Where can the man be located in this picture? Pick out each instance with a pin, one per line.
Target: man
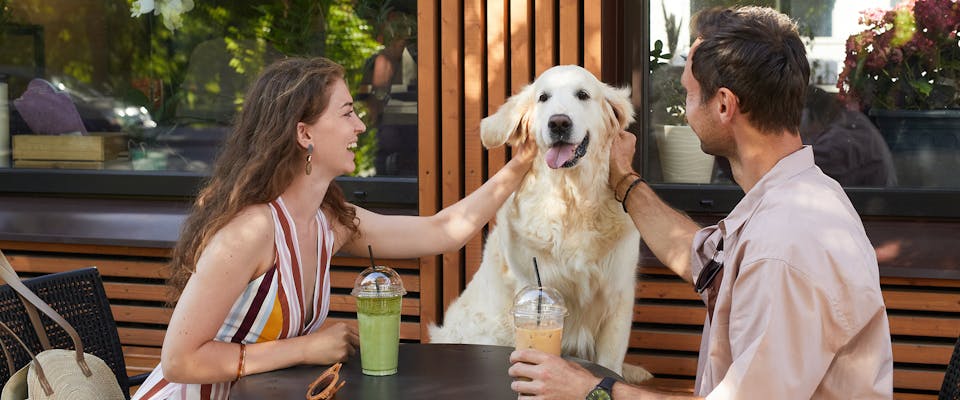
(794, 308)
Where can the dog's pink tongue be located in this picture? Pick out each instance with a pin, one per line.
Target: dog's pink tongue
(560, 154)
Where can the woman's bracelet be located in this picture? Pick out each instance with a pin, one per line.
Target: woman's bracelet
(243, 357)
(617, 186)
(623, 202)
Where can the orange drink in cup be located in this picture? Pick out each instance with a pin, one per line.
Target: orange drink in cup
(538, 314)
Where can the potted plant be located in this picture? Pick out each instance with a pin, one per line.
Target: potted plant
(681, 159)
(903, 71)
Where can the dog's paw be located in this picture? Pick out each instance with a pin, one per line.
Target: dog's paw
(634, 374)
(440, 335)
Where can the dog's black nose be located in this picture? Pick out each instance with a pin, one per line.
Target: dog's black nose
(559, 125)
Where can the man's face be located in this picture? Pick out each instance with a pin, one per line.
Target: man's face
(702, 115)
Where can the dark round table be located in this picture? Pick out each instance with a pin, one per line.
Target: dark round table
(425, 371)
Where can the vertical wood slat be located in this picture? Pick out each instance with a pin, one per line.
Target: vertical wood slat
(451, 138)
(473, 88)
(428, 153)
(544, 13)
(496, 90)
(496, 72)
(521, 66)
(592, 38)
(570, 32)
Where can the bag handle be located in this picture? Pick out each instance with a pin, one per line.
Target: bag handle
(35, 321)
(10, 276)
(47, 389)
(8, 356)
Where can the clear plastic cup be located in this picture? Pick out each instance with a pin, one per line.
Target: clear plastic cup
(379, 292)
(538, 314)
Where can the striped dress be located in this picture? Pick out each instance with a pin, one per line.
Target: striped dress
(270, 308)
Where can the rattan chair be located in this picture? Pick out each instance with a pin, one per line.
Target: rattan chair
(79, 297)
(950, 389)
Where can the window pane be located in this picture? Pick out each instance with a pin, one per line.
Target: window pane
(158, 92)
(868, 113)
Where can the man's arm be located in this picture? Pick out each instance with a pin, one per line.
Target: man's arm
(668, 232)
(553, 378)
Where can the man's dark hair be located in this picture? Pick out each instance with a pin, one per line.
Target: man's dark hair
(756, 52)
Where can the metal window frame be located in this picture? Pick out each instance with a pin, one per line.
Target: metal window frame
(392, 192)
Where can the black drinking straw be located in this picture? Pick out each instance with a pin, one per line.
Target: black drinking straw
(536, 270)
(372, 265)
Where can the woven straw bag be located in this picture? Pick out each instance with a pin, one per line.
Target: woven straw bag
(55, 373)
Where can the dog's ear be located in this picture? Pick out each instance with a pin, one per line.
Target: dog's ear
(509, 123)
(619, 108)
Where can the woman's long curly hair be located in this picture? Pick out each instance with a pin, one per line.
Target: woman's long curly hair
(261, 157)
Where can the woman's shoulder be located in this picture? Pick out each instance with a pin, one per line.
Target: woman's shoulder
(252, 223)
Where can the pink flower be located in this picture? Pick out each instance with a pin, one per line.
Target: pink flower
(872, 16)
(900, 50)
(938, 16)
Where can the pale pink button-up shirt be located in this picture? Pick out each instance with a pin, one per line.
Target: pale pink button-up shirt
(799, 312)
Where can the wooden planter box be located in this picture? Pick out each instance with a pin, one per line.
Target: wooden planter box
(67, 151)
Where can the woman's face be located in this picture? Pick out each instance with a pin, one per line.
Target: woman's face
(334, 135)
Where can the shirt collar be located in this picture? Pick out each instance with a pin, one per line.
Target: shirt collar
(784, 170)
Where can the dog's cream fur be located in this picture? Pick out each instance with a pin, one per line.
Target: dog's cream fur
(585, 245)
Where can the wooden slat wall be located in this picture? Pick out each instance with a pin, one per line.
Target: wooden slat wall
(486, 50)
(924, 323)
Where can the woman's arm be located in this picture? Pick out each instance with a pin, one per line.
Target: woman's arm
(396, 236)
(236, 254)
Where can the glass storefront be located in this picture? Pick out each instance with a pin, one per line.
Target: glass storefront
(114, 87)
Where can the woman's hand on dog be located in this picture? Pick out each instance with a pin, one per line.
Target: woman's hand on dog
(550, 377)
(526, 151)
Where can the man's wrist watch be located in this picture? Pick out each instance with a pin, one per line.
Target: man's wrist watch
(603, 390)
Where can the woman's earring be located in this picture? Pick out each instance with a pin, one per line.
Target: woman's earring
(309, 166)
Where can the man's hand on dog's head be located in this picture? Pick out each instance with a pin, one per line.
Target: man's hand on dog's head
(621, 158)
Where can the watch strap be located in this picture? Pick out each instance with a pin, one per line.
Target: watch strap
(607, 384)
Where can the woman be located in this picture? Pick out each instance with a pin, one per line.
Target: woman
(252, 264)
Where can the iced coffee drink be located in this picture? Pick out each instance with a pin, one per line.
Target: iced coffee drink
(538, 314)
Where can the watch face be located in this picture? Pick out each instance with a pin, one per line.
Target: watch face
(598, 394)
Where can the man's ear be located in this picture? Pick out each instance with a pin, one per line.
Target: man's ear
(728, 104)
(618, 106)
(510, 122)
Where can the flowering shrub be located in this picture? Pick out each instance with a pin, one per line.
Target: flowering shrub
(171, 10)
(906, 58)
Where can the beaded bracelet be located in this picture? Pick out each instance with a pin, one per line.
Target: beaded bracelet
(623, 202)
(243, 357)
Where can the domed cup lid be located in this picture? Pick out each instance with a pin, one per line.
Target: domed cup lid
(378, 281)
(533, 300)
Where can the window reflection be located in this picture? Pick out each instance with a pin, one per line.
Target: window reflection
(171, 95)
(857, 146)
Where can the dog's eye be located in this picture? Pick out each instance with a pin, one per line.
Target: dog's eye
(582, 95)
(544, 97)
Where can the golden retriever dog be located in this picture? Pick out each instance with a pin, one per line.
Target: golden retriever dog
(565, 215)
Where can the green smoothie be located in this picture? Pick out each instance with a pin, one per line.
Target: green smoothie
(379, 320)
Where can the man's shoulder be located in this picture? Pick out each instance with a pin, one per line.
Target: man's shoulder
(812, 228)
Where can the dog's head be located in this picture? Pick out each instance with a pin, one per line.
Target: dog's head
(567, 110)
